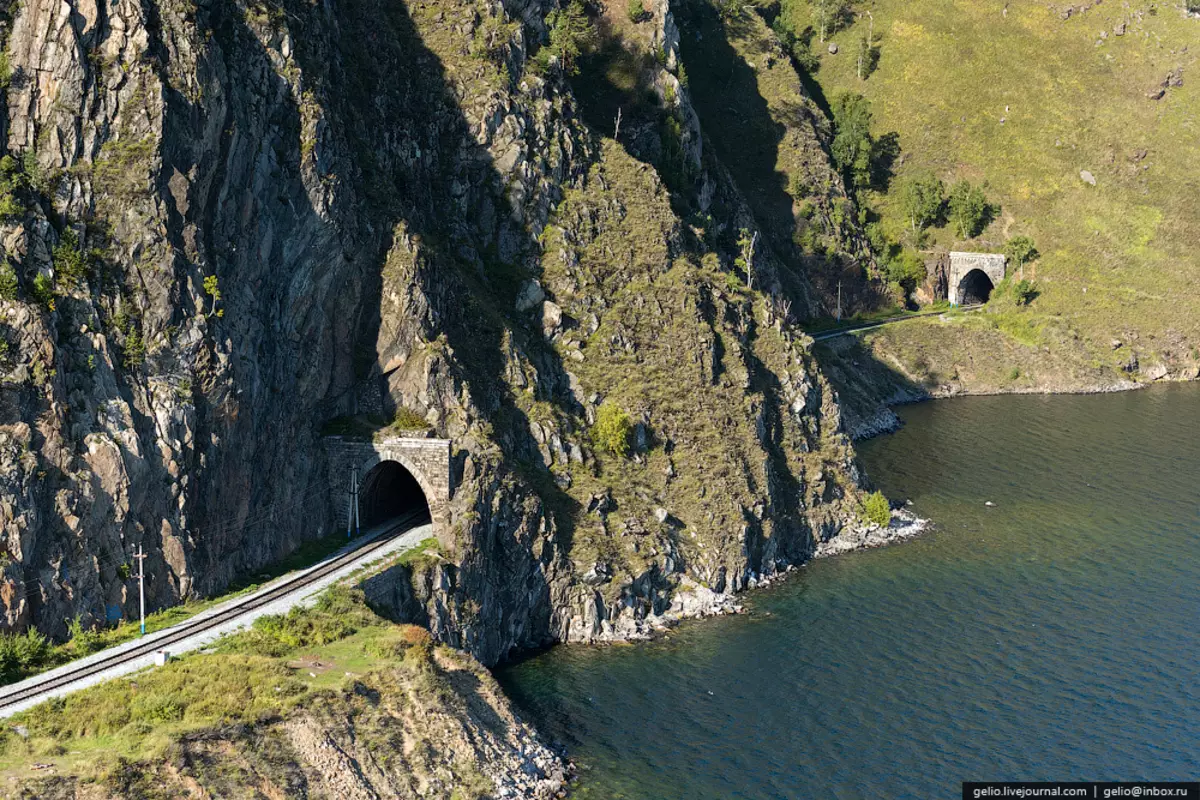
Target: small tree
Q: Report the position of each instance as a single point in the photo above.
(570, 32)
(1024, 292)
(876, 509)
(70, 262)
(868, 53)
(43, 290)
(612, 430)
(1020, 251)
(84, 640)
(745, 259)
(922, 197)
(213, 289)
(853, 146)
(968, 207)
(636, 11)
(827, 14)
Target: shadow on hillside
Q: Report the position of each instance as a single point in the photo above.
(302, 275)
(867, 388)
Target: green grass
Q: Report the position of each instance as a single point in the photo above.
(1116, 256)
(253, 676)
(307, 554)
(375, 426)
(882, 315)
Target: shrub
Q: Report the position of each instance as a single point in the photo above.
(10, 179)
(876, 509)
(70, 263)
(1023, 292)
(8, 281)
(906, 269)
(636, 11)
(84, 640)
(338, 613)
(43, 290)
(612, 430)
(22, 653)
(407, 419)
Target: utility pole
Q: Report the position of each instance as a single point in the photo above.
(352, 520)
(141, 557)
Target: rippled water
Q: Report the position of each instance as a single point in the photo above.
(1053, 636)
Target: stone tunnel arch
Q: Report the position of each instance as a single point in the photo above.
(971, 277)
(423, 459)
(388, 490)
(974, 288)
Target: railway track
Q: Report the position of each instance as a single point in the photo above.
(32, 688)
(822, 335)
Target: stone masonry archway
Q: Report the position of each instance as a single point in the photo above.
(394, 474)
(972, 276)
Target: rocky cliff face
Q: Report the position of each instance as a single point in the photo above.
(230, 222)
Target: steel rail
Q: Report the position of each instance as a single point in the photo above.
(192, 627)
(819, 336)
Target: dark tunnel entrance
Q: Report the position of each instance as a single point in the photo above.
(388, 491)
(974, 288)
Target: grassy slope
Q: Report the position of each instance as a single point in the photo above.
(1118, 259)
(132, 734)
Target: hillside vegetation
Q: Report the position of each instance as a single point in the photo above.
(334, 701)
(1023, 98)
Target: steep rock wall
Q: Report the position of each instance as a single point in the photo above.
(400, 209)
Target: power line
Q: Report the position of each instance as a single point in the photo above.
(32, 587)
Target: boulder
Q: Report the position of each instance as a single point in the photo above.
(530, 295)
(551, 317)
(1087, 177)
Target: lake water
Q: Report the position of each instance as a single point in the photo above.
(1053, 636)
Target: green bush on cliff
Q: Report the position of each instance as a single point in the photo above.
(876, 509)
(8, 281)
(636, 11)
(43, 290)
(570, 33)
(612, 430)
(70, 262)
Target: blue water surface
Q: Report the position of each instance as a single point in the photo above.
(1053, 636)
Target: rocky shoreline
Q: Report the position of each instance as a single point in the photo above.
(884, 419)
(695, 601)
(903, 525)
